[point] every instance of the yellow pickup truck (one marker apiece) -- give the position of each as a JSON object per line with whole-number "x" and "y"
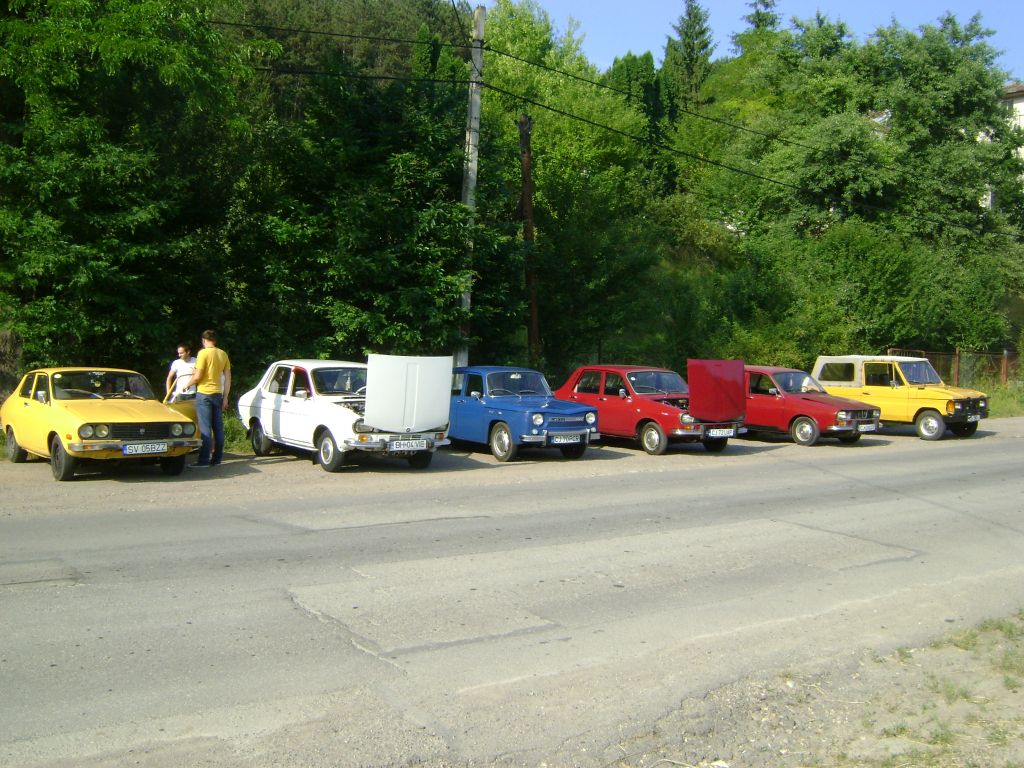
{"x": 908, "y": 390}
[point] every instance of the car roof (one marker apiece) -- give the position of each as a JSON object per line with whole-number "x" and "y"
{"x": 310, "y": 363}
{"x": 772, "y": 369}
{"x": 625, "y": 369}
{"x": 870, "y": 358}
{"x": 79, "y": 369}
{"x": 492, "y": 368}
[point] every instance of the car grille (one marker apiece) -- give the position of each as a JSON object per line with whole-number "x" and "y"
{"x": 567, "y": 420}
{"x": 145, "y": 431}
{"x": 973, "y": 405}
{"x": 866, "y": 414}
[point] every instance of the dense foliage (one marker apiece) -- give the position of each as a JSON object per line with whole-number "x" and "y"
{"x": 276, "y": 170}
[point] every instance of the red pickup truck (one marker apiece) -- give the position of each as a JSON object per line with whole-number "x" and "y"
{"x": 655, "y": 406}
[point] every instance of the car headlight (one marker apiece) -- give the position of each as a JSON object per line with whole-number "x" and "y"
{"x": 877, "y": 414}
{"x": 102, "y": 430}
{"x": 190, "y": 429}
{"x": 591, "y": 417}
{"x": 537, "y": 419}
{"x": 982, "y": 404}
{"x": 177, "y": 430}
{"x": 86, "y": 431}
{"x": 685, "y": 418}
{"x": 951, "y": 407}
{"x": 842, "y": 415}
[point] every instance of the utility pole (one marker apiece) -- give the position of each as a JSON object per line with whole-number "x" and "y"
{"x": 526, "y": 209}
{"x": 471, "y": 164}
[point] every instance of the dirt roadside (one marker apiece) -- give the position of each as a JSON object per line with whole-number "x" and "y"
{"x": 958, "y": 702}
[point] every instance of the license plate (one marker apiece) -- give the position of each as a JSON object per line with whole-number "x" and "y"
{"x": 721, "y": 432}
{"x": 407, "y": 445}
{"x": 141, "y": 449}
{"x": 974, "y": 417}
{"x": 865, "y": 427}
{"x": 556, "y": 439}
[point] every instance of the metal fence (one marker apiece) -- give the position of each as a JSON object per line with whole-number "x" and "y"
{"x": 970, "y": 369}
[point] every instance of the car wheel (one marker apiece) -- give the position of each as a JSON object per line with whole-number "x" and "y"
{"x": 930, "y": 425}
{"x": 61, "y": 463}
{"x": 503, "y": 447}
{"x": 850, "y": 439}
{"x": 421, "y": 459}
{"x": 964, "y": 430}
{"x": 172, "y": 465}
{"x": 574, "y": 451}
{"x": 261, "y": 444}
{"x": 15, "y": 453}
{"x": 327, "y": 453}
{"x": 652, "y": 438}
{"x": 715, "y": 444}
{"x": 804, "y": 431}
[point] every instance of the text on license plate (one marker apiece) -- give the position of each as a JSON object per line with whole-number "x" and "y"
{"x": 555, "y": 439}
{"x": 974, "y": 417}
{"x": 141, "y": 449}
{"x": 407, "y": 445}
{"x": 865, "y": 427}
{"x": 721, "y": 432}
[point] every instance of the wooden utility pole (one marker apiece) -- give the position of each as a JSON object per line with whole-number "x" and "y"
{"x": 526, "y": 209}
{"x": 471, "y": 163}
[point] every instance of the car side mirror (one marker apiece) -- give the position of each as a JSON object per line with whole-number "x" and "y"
{"x": 476, "y": 394}
{"x": 894, "y": 384}
{"x": 42, "y": 397}
{"x": 773, "y": 391}
{"x": 303, "y": 393}
{"x": 623, "y": 394}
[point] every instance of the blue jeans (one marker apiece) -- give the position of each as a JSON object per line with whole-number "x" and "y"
{"x": 209, "y": 413}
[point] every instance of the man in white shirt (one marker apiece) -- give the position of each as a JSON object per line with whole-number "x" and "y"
{"x": 180, "y": 373}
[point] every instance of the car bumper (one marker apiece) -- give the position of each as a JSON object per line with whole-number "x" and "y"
{"x": 133, "y": 449}
{"x": 964, "y": 418}
{"x": 701, "y": 431}
{"x": 394, "y": 445}
{"x": 851, "y": 427}
{"x": 562, "y": 437}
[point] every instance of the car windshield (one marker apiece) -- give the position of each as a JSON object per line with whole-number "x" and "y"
{"x": 796, "y": 382}
{"x": 661, "y": 382}
{"x": 86, "y": 385}
{"x": 339, "y": 381}
{"x": 503, "y": 383}
{"x": 919, "y": 372}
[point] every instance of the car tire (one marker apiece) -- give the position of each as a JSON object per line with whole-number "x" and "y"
{"x": 804, "y": 431}
{"x": 574, "y": 451}
{"x": 421, "y": 459}
{"x": 715, "y": 444}
{"x": 502, "y": 446}
{"x": 62, "y": 464}
{"x": 964, "y": 430}
{"x": 261, "y": 444}
{"x": 930, "y": 425}
{"x": 652, "y": 438}
{"x": 172, "y": 465}
{"x": 850, "y": 439}
{"x": 327, "y": 453}
{"x": 15, "y": 453}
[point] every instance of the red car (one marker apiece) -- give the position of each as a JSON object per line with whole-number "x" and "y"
{"x": 789, "y": 400}
{"x": 655, "y": 406}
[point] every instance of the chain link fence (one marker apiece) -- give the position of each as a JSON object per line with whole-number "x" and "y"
{"x": 970, "y": 369}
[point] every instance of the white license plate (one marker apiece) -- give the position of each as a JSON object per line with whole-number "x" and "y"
{"x": 974, "y": 417}
{"x": 141, "y": 449}
{"x": 721, "y": 432}
{"x": 557, "y": 439}
{"x": 865, "y": 427}
{"x": 407, "y": 445}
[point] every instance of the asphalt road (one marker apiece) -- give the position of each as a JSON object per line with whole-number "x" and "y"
{"x": 267, "y": 613}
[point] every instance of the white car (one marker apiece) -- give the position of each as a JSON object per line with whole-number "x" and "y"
{"x": 391, "y": 405}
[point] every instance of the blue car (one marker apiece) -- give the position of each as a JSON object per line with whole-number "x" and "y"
{"x": 508, "y": 408}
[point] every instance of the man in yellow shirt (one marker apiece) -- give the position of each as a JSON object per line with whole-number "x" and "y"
{"x": 212, "y": 378}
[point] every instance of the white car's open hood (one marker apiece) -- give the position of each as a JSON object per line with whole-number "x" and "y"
{"x": 407, "y": 394}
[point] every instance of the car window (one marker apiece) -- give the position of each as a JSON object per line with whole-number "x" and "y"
{"x": 760, "y": 384}
{"x": 458, "y": 379}
{"x": 836, "y": 372}
{"x": 919, "y": 372}
{"x": 661, "y": 382}
{"x": 474, "y": 383}
{"x": 613, "y": 383}
{"x": 339, "y": 381}
{"x": 300, "y": 382}
{"x": 877, "y": 374}
{"x": 26, "y": 386}
{"x": 278, "y": 383}
{"x": 589, "y": 383}
{"x": 41, "y": 389}
{"x": 797, "y": 381}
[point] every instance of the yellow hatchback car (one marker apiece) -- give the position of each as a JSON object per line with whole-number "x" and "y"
{"x": 73, "y": 414}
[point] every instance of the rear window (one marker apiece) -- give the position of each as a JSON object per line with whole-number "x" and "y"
{"x": 836, "y": 372}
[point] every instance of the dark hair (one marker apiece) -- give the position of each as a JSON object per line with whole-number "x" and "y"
{"x": 210, "y": 335}
{"x": 186, "y": 346}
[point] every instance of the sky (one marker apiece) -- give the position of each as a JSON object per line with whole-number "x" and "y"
{"x": 612, "y": 28}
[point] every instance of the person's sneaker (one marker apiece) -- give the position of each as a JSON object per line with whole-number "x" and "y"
{"x": 197, "y": 465}
{"x": 214, "y": 463}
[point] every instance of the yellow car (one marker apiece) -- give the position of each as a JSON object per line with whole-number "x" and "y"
{"x": 73, "y": 414}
